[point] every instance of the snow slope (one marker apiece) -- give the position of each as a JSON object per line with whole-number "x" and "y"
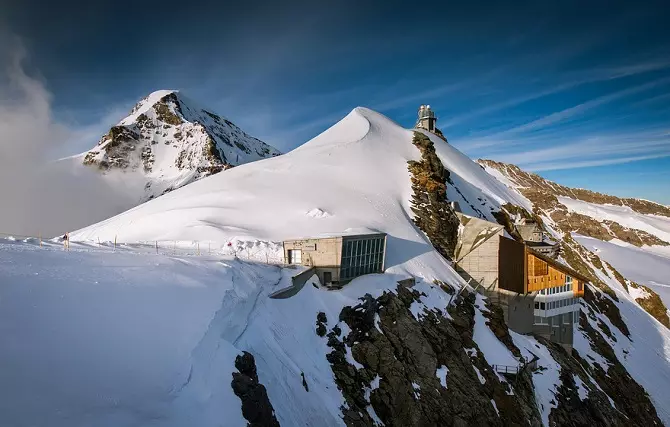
{"x": 356, "y": 171}
{"x": 127, "y": 337}
{"x": 656, "y": 225}
{"x": 637, "y": 264}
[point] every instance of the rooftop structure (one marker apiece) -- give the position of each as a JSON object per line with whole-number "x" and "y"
{"x": 426, "y": 119}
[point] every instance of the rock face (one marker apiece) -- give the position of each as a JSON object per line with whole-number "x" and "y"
{"x": 256, "y": 406}
{"x": 433, "y": 214}
{"x": 388, "y": 369}
{"x": 396, "y": 381}
{"x": 168, "y": 141}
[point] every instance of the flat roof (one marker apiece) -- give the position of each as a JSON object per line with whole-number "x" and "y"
{"x": 530, "y": 243}
{"x": 345, "y": 234}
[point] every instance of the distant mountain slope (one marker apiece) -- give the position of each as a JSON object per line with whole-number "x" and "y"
{"x": 605, "y": 217}
{"x": 168, "y": 141}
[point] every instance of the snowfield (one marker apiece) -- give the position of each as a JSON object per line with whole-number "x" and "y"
{"x": 94, "y": 336}
{"x": 639, "y": 265}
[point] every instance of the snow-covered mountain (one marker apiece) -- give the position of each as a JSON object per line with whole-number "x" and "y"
{"x": 168, "y": 141}
{"x": 176, "y": 327}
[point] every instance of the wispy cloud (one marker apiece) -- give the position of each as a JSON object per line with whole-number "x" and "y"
{"x": 578, "y": 78}
{"x": 581, "y": 108}
{"x": 593, "y": 150}
{"x": 39, "y": 195}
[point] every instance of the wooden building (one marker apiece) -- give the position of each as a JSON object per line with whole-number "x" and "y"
{"x": 538, "y": 294}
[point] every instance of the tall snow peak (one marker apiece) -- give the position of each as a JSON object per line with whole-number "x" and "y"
{"x": 168, "y": 141}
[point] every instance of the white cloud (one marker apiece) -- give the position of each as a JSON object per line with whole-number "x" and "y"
{"x": 37, "y": 194}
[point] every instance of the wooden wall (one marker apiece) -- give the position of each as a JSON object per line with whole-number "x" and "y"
{"x": 512, "y": 265}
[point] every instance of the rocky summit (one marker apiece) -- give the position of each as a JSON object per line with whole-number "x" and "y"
{"x": 168, "y": 141}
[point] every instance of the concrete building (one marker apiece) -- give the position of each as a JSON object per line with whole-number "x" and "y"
{"x": 534, "y": 236}
{"x": 339, "y": 259}
{"x": 537, "y": 293}
{"x": 426, "y": 119}
{"x": 530, "y": 231}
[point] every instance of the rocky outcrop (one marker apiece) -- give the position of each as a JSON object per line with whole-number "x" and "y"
{"x": 633, "y": 406}
{"x": 652, "y": 303}
{"x": 630, "y": 401}
{"x": 387, "y": 370}
{"x": 256, "y": 406}
{"x": 397, "y": 358}
{"x": 527, "y": 180}
{"x": 432, "y": 212}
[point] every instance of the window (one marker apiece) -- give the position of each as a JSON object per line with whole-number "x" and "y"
{"x": 541, "y": 306}
{"x": 362, "y": 256}
{"x": 537, "y": 305}
{"x": 294, "y": 256}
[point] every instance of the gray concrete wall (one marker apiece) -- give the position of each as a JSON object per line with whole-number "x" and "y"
{"x": 477, "y": 250}
{"x": 518, "y": 309}
{"x": 297, "y": 283}
{"x": 482, "y": 263}
{"x": 558, "y": 332}
{"x": 325, "y": 253}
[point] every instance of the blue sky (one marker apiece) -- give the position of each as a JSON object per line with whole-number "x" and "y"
{"x": 578, "y": 92}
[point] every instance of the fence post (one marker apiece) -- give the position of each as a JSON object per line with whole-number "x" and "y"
{"x": 156, "y": 246}
{"x": 98, "y": 241}
{"x": 40, "y": 239}
{"x": 115, "y": 242}
{"x": 198, "y": 244}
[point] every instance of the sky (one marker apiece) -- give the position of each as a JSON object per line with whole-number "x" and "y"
{"x": 576, "y": 91}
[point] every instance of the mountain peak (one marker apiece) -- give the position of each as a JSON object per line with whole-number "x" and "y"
{"x": 146, "y": 103}
{"x": 168, "y": 141}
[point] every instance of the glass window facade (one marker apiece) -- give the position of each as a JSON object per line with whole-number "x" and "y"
{"x": 360, "y": 256}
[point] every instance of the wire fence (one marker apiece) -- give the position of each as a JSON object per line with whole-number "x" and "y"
{"x": 266, "y": 252}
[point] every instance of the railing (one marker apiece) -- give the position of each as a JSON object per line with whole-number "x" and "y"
{"x": 506, "y": 369}
{"x": 264, "y": 252}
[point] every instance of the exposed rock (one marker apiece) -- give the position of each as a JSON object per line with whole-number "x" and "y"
{"x": 406, "y": 357}
{"x": 256, "y": 406}
{"x": 595, "y": 409}
{"x": 653, "y": 304}
{"x": 433, "y": 214}
{"x": 321, "y": 321}
{"x": 630, "y": 399}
